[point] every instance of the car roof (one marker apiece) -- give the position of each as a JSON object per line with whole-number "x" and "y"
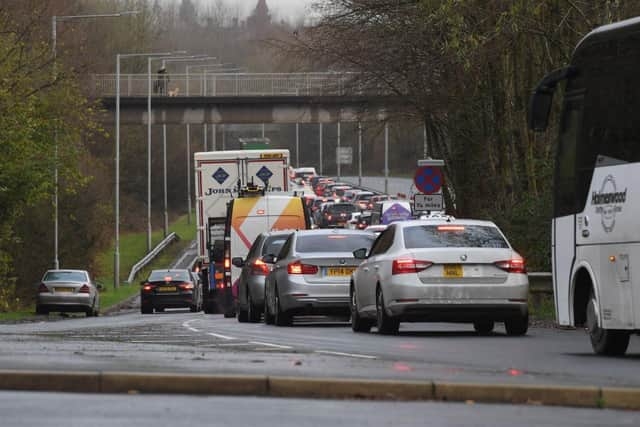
{"x": 66, "y": 270}
{"x": 445, "y": 221}
{"x": 328, "y": 231}
{"x": 277, "y": 233}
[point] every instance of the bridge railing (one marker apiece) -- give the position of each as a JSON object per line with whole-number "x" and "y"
{"x": 232, "y": 84}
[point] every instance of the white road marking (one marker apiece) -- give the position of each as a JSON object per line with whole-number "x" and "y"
{"x": 235, "y": 344}
{"x": 267, "y": 344}
{"x": 194, "y": 329}
{"x": 188, "y": 322}
{"x": 224, "y": 337}
{"x": 337, "y": 353}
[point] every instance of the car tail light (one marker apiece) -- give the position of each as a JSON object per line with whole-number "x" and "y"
{"x": 259, "y": 268}
{"x": 329, "y": 217}
{"x": 42, "y": 289}
{"x": 84, "y": 289}
{"x": 516, "y": 265}
{"x": 451, "y": 228}
{"x": 186, "y": 286}
{"x": 409, "y": 265}
{"x": 147, "y": 287}
{"x": 299, "y": 268}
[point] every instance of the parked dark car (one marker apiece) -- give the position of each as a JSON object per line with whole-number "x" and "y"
{"x": 170, "y": 289}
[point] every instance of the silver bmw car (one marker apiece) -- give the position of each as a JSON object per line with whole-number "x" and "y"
{"x": 440, "y": 270}
{"x": 68, "y": 291}
{"x": 311, "y": 274}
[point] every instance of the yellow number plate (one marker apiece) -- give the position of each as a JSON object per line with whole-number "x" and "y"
{"x": 340, "y": 271}
{"x": 271, "y": 156}
{"x": 63, "y": 290}
{"x": 452, "y": 271}
{"x": 167, "y": 289}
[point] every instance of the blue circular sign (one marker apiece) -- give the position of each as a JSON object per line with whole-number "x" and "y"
{"x": 428, "y": 179}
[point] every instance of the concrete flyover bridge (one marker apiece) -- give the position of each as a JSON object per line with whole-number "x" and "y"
{"x": 241, "y": 98}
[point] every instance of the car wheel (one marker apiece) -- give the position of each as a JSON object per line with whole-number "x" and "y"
{"x": 253, "y": 314}
{"x": 159, "y": 309}
{"x": 386, "y": 324}
{"x": 517, "y": 326}
{"x": 146, "y": 309}
{"x": 41, "y": 310}
{"x": 88, "y": 312}
{"x": 483, "y": 327}
{"x": 607, "y": 342}
{"x": 282, "y": 318}
{"x": 193, "y": 308}
{"x": 243, "y": 315}
{"x": 269, "y": 319}
{"x": 358, "y": 324}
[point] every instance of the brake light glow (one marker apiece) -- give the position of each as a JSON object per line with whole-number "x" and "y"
{"x": 451, "y": 228}
{"x": 516, "y": 265}
{"x": 227, "y": 263}
{"x": 43, "y": 288}
{"x": 167, "y": 279}
{"x": 336, "y": 236}
{"x": 260, "y": 268}
{"x": 329, "y": 217}
{"x": 260, "y": 212}
{"x": 299, "y": 268}
{"x": 409, "y": 265}
{"x": 186, "y": 286}
{"x": 84, "y": 289}
{"x": 147, "y": 287}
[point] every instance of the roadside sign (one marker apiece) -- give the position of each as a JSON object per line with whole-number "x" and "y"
{"x": 344, "y": 155}
{"x": 428, "y": 179}
{"x": 427, "y": 202}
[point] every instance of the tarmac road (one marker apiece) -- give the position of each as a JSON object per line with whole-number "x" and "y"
{"x": 180, "y": 341}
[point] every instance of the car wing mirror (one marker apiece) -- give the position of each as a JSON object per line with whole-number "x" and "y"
{"x": 99, "y": 286}
{"x": 237, "y": 262}
{"x": 360, "y": 253}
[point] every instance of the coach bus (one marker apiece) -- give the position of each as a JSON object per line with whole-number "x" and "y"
{"x": 596, "y": 190}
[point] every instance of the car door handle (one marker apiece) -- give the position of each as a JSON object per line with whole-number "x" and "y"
{"x": 376, "y": 267}
{"x": 365, "y": 268}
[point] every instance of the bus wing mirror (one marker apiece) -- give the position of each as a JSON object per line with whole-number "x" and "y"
{"x": 542, "y": 98}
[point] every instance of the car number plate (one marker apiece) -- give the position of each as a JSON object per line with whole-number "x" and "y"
{"x": 340, "y": 271}
{"x": 452, "y": 271}
{"x": 167, "y": 289}
{"x": 63, "y": 290}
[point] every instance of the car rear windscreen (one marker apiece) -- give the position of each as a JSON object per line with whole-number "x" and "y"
{"x": 174, "y": 276}
{"x": 333, "y": 242}
{"x": 273, "y": 244}
{"x": 342, "y": 208}
{"x": 453, "y": 236}
{"x": 71, "y": 276}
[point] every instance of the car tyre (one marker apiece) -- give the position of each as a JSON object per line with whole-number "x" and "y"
{"x": 243, "y": 315}
{"x": 41, "y": 310}
{"x": 483, "y": 327}
{"x": 159, "y": 309}
{"x": 358, "y": 324}
{"x": 253, "y": 314}
{"x": 386, "y": 324}
{"x": 607, "y": 342}
{"x": 281, "y": 318}
{"x": 269, "y": 319}
{"x": 517, "y": 326}
{"x": 146, "y": 309}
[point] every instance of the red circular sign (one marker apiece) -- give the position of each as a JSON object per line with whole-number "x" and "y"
{"x": 428, "y": 179}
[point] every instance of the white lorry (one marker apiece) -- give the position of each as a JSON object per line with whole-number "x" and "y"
{"x": 219, "y": 175}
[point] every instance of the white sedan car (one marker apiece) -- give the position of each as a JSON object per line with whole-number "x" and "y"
{"x": 440, "y": 270}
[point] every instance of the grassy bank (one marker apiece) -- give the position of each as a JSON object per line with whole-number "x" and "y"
{"x": 133, "y": 246}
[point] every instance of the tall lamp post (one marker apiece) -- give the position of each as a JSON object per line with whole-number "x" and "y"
{"x": 149, "y": 61}
{"x": 54, "y": 41}
{"x": 116, "y": 253}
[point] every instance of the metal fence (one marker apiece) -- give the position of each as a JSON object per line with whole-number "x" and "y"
{"x": 150, "y": 256}
{"x": 232, "y": 84}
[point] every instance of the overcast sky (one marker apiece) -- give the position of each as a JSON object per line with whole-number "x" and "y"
{"x": 287, "y": 9}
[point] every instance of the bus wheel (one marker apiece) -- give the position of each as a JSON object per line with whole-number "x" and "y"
{"x": 607, "y": 342}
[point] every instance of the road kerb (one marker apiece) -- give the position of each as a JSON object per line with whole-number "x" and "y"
{"x": 126, "y": 382}
{"x": 72, "y": 382}
{"x": 620, "y": 398}
{"x": 516, "y": 393}
{"x": 333, "y": 388}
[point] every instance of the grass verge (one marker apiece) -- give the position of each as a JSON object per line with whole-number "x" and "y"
{"x": 133, "y": 246}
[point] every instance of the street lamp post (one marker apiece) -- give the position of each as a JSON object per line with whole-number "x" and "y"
{"x": 54, "y": 41}
{"x": 116, "y": 253}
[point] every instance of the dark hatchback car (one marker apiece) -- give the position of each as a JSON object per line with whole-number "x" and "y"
{"x": 170, "y": 289}
{"x": 337, "y": 215}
